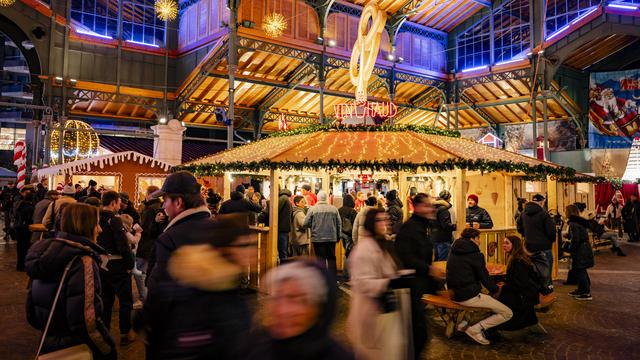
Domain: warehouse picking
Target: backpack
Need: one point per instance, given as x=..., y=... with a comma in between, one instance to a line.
x=347, y=226
x=541, y=269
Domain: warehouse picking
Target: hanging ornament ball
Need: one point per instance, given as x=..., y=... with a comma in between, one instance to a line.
x=166, y=10
x=274, y=25
x=5, y=3
x=79, y=141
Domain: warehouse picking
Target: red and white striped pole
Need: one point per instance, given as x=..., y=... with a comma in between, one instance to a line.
x=20, y=159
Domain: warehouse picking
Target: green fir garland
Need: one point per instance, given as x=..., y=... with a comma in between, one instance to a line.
x=483, y=166
x=428, y=130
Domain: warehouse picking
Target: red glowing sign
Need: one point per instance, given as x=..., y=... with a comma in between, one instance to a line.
x=363, y=109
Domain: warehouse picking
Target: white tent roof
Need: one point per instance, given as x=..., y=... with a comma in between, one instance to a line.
x=100, y=161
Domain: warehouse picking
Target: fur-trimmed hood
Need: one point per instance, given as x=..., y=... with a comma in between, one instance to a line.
x=203, y=267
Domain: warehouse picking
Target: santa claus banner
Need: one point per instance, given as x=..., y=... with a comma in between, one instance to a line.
x=614, y=109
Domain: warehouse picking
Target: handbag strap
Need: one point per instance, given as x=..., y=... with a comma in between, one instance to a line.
x=53, y=307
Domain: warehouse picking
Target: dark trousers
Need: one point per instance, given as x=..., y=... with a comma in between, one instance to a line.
x=23, y=237
x=117, y=285
x=7, y=224
x=419, y=324
x=584, y=283
x=327, y=252
x=283, y=245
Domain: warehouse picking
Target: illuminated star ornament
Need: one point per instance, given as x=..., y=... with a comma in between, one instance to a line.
x=166, y=10
x=5, y=3
x=274, y=25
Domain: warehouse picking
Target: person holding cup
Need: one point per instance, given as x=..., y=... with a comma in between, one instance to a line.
x=477, y=217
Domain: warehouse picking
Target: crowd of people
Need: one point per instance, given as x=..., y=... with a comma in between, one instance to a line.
x=187, y=251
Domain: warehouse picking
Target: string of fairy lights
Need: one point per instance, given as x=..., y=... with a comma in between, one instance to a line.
x=79, y=141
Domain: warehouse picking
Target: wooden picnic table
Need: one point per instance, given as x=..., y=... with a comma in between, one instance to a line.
x=439, y=269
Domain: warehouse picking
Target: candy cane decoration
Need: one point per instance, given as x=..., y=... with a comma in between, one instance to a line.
x=365, y=50
x=20, y=159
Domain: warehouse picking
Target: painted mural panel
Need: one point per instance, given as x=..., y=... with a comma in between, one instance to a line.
x=519, y=138
x=614, y=108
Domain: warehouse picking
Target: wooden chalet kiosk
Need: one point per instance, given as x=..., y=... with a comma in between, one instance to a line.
x=402, y=155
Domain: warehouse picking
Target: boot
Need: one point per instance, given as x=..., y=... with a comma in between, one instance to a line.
x=619, y=252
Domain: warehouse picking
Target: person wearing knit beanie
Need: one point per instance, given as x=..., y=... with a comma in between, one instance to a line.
x=477, y=217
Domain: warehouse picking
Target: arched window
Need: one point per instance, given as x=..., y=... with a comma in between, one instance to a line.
x=99, y=18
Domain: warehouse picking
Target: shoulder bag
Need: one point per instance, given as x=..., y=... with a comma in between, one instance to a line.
x=77, y=352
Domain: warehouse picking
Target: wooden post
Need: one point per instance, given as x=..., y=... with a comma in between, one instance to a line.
x=226, y=184
x=272, y=239
x=552, y=204
x=508, y=201
x=459, y=200
x=403, y=192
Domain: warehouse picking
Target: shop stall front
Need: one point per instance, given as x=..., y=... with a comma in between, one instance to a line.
x=127, y=171
x=410, y=159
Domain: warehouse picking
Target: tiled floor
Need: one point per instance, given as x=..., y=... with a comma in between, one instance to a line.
x=606, y=328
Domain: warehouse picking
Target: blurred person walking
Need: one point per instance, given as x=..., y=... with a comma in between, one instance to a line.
x=358, y=224
x=193, y=308
x=79, y=316
x=394, y=209
x=375, y=324
x=300, y=305
x=414, y=247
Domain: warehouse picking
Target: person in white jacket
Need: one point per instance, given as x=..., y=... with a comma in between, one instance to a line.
x=375, y=326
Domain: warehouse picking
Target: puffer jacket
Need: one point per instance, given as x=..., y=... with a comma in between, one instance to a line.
x=537, y=227
x=324, y=221
x=466, y=271
x=581, y=252
x=193, y=309
x=479, y=215
x=78, y=316
x=442, y=228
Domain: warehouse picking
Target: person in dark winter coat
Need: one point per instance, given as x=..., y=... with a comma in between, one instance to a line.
x=519, y=291
x=193, y=308
x=477, y=217
x=630, y=214
x=116, y=281
x=394, y=209
x=442, y=228
x=466, y=274
x=91, y=190
x=581, y=253
x=24, y=218
x=78, y=318
x=539, y=230
x=126, y=207
x=153, y=223
x=284, y=223
x=348, y=215
x=414, y=249
x=239, y=204
x=298, y=313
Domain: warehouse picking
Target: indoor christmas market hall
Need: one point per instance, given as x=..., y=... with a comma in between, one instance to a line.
x=319, y=179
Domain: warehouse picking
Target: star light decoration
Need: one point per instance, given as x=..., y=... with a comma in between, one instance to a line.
x=274, y=25
x=6, y=3
x=166, y=10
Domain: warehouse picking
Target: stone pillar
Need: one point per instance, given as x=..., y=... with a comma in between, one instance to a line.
x=167, y=143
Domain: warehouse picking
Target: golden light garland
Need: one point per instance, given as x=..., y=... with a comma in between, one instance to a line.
x=6, y=3
x=166, y=10
x=79, y=141
x=274, y=25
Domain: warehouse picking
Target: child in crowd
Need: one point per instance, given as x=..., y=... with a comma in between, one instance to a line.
x=134, y=232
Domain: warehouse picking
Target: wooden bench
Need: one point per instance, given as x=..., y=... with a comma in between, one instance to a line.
x=545, y=302
x=453, y=313
x=450, y=312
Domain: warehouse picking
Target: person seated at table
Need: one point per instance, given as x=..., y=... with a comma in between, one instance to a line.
x=601, y=231
x=466, y=274
x=520, y=289
x=477, y=217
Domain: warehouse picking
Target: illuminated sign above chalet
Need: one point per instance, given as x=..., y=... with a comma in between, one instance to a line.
x=365, y=112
